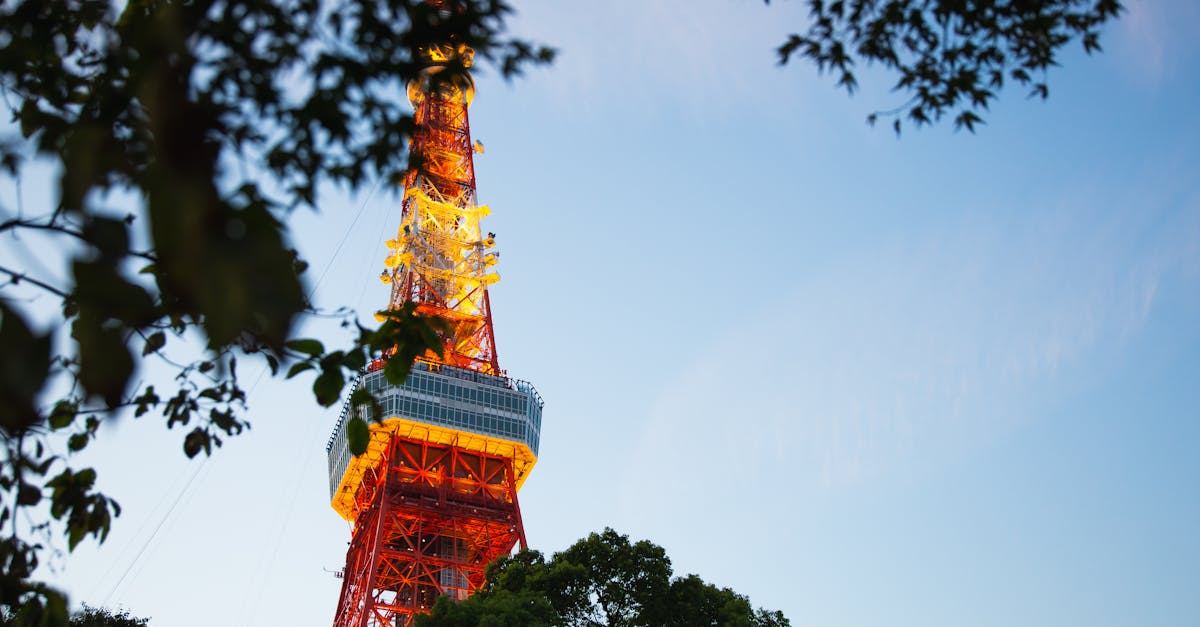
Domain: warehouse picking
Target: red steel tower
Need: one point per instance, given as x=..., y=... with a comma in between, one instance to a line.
x=434, y=498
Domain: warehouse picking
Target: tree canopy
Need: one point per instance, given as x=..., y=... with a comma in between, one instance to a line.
x=93, y=617
x=949, y=57
x=603, y=579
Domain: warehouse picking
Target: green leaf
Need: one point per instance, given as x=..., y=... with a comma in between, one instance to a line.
x=75, y=535
x=328, y=386
x=396, y=370
x=77, y=442
x=307, y=346
x=298, y=368
x=333, y=360
x=361, y=396
x=63, y=414
x=355, y=360
x=357, y=436
x=86, y=477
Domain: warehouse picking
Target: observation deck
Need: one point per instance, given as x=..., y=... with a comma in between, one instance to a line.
x=489, y=414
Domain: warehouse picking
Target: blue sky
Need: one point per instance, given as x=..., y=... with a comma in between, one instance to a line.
x=944, y=379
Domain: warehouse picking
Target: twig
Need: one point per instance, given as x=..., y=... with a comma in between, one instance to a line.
x=17, y=277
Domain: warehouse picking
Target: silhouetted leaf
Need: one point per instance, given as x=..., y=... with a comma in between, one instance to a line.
x=355, y=360
x=145, y=401
x=28, y=494
x=24, y=365
x=307, y=346
x=154, y=342
x=196, y=440
x=100, y=289
x=108, y=235
x=299, y=367
x=63, y=414
x=396, y=370
x=77, y=442
x=327, y=387
x=357, y=436
x=105, y=363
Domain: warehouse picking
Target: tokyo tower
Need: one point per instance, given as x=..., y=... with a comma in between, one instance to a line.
x=434, y=498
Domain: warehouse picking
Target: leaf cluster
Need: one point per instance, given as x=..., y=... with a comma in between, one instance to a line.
x=185, y=133
x=951, y=57
x=601, y=580
x=88, y=616
x=402, y=337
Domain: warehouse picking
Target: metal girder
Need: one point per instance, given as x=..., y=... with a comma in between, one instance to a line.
x=438, y=514
x=440, y=258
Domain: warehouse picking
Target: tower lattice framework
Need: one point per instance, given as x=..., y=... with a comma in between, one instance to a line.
x=434, y=498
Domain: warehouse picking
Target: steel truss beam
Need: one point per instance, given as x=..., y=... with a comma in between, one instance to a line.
x=434, y=516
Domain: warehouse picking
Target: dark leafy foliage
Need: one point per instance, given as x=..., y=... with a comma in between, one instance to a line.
x=600, y=580
x=215, y=119
x=100, y=617
x=88, y=617
x=952, y=57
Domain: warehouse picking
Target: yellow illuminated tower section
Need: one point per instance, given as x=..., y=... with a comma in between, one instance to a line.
x=434, y=498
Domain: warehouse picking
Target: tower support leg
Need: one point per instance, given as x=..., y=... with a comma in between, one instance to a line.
x=439, y=514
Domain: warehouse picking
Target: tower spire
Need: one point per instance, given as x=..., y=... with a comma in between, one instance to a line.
x=441, y=259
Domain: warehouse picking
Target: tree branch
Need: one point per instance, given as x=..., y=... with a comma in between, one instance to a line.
x=51, y=226
x=17, y=277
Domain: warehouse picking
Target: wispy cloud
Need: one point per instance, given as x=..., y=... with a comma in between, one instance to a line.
x=1154, y=36
x=687, y=56
x=913, y=354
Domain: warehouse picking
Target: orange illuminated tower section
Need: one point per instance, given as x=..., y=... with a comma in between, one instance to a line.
x=434, y=498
